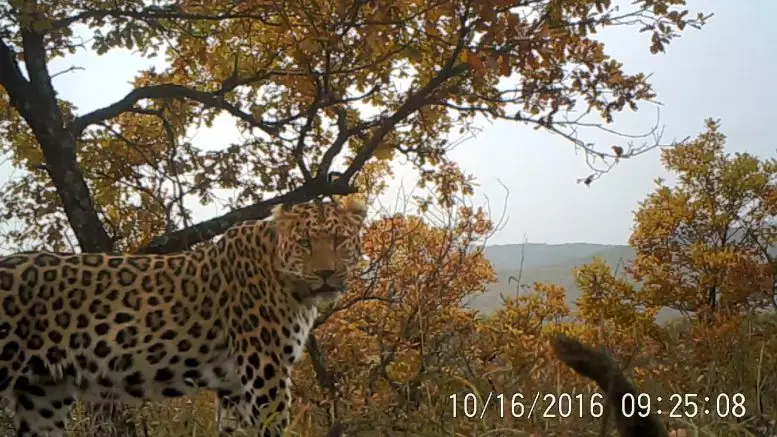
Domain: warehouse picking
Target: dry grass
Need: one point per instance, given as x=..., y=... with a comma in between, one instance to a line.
x=743, y=362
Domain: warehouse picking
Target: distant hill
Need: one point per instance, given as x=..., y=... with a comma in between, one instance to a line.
x=508, y=256
x=551, y=263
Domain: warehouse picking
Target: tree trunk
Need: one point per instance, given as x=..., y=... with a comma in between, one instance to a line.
x=36, y=102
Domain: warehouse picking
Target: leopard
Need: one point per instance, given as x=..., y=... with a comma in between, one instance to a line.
x=230, y=316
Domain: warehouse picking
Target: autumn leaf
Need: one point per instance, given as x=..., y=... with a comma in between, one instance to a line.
x=474, y=61
x=492, y=63
x=384, y=152
x=504, y=65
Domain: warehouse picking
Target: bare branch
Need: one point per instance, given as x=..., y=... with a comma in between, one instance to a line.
x=412, y=103
x=67, y=70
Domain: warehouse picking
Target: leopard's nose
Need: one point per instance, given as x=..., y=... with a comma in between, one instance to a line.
x=325, y=273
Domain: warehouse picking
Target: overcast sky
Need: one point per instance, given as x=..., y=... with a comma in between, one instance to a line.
x=723, y=71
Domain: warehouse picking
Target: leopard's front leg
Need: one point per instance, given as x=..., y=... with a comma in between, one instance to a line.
x=262, y=404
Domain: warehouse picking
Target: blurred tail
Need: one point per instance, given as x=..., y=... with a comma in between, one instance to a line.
x=336, y=430
x=598, y=366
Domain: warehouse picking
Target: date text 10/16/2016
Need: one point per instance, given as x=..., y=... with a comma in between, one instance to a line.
x=518, y=405
x=563, y=405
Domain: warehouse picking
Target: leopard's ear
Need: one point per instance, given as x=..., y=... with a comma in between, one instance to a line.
x=356, y=206
x=280, y=210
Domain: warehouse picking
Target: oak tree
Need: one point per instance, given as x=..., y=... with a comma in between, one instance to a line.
x=313, y=86
x=706, y=244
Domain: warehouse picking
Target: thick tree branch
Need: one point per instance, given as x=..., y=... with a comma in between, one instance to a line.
x=11, y=76
x=211, y=99
x=325, y=381
x=323, y=376
x=413, y=102
x=36, y=102
x=299, y=149
x=156, y=13
x=215, y=100
x=203, y=231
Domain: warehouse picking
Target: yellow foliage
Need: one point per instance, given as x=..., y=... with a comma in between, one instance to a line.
x=700, y=243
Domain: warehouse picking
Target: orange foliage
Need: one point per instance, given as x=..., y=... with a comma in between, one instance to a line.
x=394, y=332
x=703, y=246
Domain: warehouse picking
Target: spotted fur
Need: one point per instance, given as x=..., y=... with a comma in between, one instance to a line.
x=231, y=317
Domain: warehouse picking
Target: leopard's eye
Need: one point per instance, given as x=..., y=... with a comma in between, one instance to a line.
x=305, y=242
x=339, y=239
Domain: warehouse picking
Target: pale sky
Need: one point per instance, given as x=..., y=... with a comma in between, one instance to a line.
x=723, y=71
